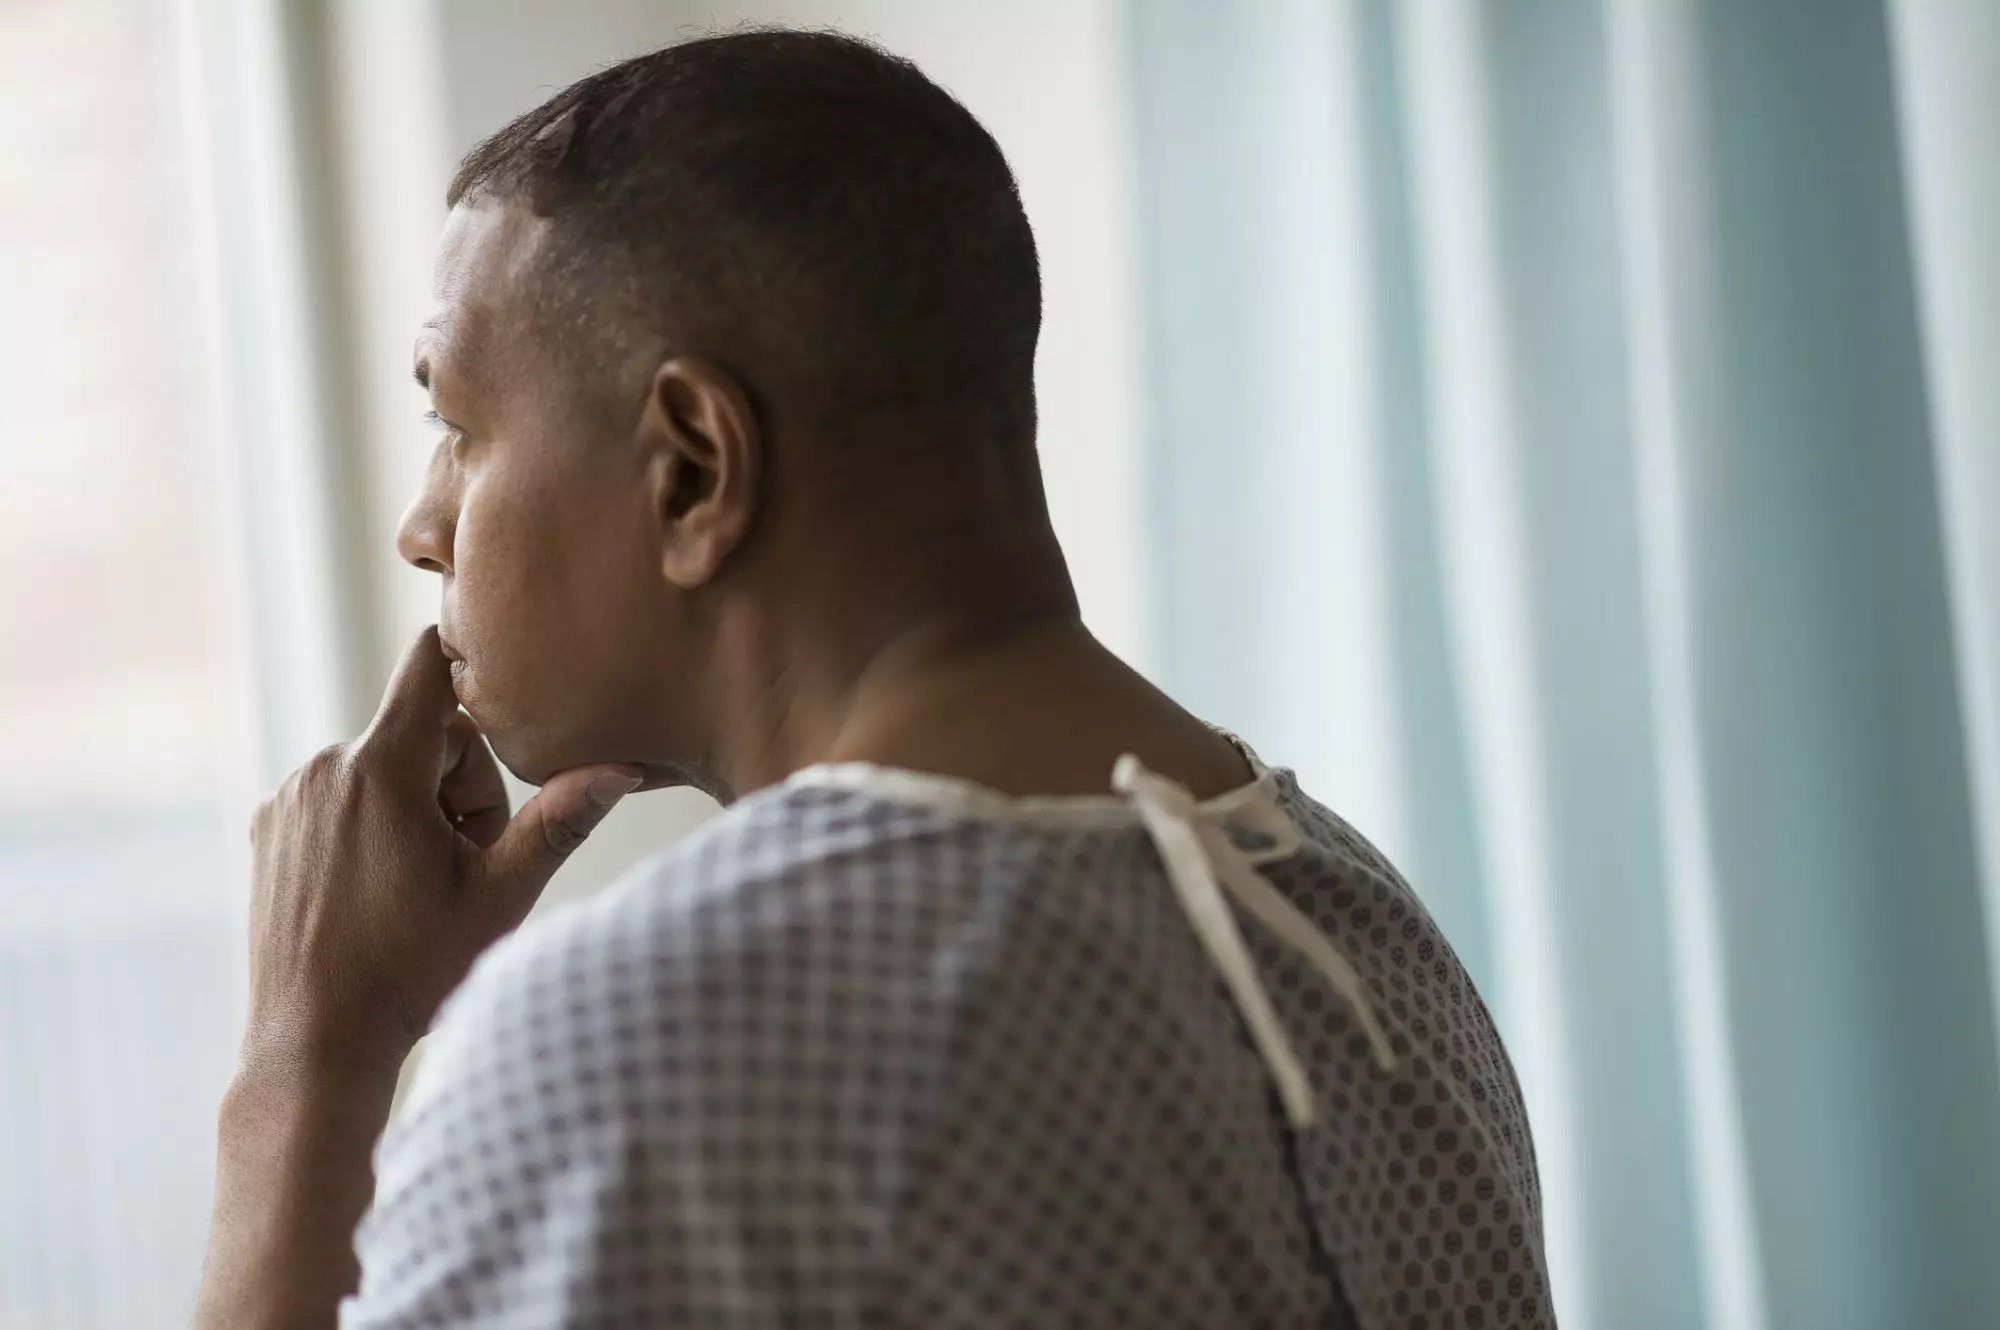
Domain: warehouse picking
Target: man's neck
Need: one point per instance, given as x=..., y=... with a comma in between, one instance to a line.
x=1029, y=705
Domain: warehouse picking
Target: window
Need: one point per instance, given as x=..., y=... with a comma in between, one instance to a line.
x=124, y=722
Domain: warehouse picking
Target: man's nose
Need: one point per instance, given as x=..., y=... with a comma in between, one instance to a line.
x=424, y=536
x=429, y=526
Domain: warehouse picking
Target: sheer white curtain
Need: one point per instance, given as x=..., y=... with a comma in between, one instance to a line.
x=1575, y=449
x=1948, y=68
x=159, y=423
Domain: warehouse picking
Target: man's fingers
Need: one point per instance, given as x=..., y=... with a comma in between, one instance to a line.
x=552, y=824
x=471, y=792
x=419, y=702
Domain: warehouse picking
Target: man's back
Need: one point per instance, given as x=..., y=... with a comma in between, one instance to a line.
x=877, y=1048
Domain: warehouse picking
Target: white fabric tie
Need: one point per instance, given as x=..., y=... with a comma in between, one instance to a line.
x=1198, y=852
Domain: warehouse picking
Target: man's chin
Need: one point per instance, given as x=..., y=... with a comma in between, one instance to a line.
x=517, y=752
x=538, y=770
x=536, y=763
x=525, y=756
x=535, y=759
x=519, y=761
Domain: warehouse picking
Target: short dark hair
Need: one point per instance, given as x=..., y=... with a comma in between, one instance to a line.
x=802, y=202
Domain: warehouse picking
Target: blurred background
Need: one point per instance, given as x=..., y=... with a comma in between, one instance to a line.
x=1567, y=431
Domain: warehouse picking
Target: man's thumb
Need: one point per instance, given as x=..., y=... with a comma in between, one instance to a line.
x=553, y=823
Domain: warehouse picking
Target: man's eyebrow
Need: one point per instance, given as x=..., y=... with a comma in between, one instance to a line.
x=421, y=371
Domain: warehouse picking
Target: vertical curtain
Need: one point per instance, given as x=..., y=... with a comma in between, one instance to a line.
x=1574, y=448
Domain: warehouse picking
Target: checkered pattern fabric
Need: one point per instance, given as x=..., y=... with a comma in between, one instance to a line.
x=875, y=1049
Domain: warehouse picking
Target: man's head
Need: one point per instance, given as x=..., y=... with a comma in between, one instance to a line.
x=739, y=330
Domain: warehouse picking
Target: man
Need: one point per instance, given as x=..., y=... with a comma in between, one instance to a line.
x=733, y=357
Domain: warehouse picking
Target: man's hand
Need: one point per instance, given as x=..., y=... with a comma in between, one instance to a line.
x=383, y=867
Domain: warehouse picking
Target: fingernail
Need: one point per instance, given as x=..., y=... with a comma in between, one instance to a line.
x=609, y=788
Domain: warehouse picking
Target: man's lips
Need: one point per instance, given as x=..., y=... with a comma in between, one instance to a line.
x=454, y=662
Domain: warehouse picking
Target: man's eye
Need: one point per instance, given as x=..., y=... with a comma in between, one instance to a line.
x=436, y=421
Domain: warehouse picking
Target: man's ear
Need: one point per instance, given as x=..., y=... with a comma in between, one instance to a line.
x=706, y=466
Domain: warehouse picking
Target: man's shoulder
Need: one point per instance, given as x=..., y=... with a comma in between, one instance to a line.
x=794, y=903
x=759, y=875
x=620, y=1077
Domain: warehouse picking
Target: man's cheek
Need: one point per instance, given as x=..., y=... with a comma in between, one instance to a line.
x=492, y=595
